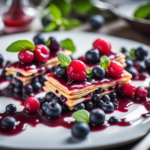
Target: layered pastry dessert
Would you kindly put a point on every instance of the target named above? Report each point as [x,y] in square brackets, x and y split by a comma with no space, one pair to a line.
[102,47]
[78,84]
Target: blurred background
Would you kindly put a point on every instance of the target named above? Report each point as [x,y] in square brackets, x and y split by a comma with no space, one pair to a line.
[124,18]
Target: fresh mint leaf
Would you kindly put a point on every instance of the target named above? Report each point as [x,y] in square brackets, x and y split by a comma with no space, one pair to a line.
[81,6]
[64,59]
[143,11]
[20,45]
[48,42]
[68,44]
[50,27]
[89,72]
[81,116]
[55,11]
[72,23]
[132,53]
[104,61]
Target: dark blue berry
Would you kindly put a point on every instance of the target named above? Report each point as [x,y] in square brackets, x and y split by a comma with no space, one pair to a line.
[42,79]
[51,109]
[113,95]
[129,63]
[41,100]
[8,122]
[55,99]
[1,59]
[64,107]
[97,116]
[108,107]
[147,63]
[49,96]
[99,91]
[38,39]
[96,21]
[89,105]
[35,80]
[123,50]
[80,130]
[63,99]
[132,71]
[100,103]
[98,72]
[17,90]
[95,98]
[19,74]
[113,119]
[54,44]
[141,53]
[79,106]
[92,56]
[0,93]
[18,83]
[9,77]
[45,21]
[61,71]
[27,89]
[11,108]
[115,105]
[37,86]
[142,68]
[106,98]
[11,86]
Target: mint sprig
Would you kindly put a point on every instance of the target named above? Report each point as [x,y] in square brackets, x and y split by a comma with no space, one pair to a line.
[104,61]
[64,59]
[81,116]
[89,72]
[132,53]
[20,45]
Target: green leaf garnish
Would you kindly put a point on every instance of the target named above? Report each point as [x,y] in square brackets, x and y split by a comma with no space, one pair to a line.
[89,72]
[50,27]
[68,44]
[47,43]
[72,23]
[132,53]
[20,45]
[64,59]
[55,11]
[81,116]
[104,61]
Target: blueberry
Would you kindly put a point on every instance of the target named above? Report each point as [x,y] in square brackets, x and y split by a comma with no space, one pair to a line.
[97,116]
[55,99]
[113,119]
[88,105]
[106,98]
[49,96]
[11,108]
[0,93]
[132,71]
[11,86]
[142,68]
[64,107]
[54,44]
[98,72]
[79,106]
[45,21]
[80,130]
[96,21]
[115,100]
[63,99]
[141,53]
[95,98]
[61,71]
[38,39]
[129,63]
[115,105]
[17,90]
[18,83]
[113,95]
[27,89]
[99,91]
[148,94]
[1,59]
[9,77]
[37,86]
[100,103]
[147,63]
[8,122]
[36,79]
[92,56]
[123,50]
[108,107]
[41,100]
[52,109]
[42,79]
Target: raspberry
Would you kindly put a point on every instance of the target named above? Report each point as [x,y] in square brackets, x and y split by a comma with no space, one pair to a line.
[141,92]
[26,56]
[115,69]
[103,46]
[77,70]
[128,89]
[41,53]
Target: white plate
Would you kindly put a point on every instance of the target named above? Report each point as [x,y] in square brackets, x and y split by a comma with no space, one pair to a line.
[43,137]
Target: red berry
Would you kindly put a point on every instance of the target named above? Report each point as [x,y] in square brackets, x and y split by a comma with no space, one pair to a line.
[41,53]
[115,69]
[128,89]
[77,70]
[26,56]
[32,104]
[141,92]
[103,46]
